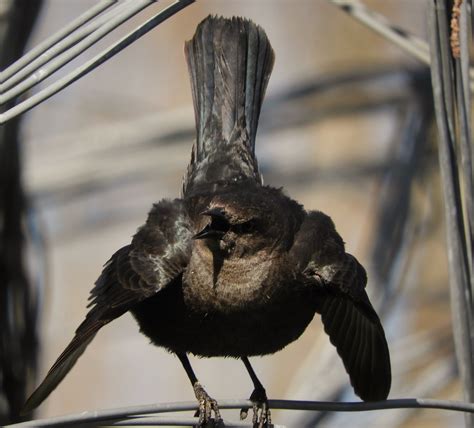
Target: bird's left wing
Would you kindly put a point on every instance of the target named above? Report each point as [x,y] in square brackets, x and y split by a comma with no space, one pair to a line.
[354,328]
[348,317]
[157,256]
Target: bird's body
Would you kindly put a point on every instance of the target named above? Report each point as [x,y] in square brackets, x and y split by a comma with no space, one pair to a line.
[253,305]
[225,322]
[233,267]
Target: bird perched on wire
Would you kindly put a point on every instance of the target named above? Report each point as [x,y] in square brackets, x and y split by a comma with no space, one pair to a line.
[234,268]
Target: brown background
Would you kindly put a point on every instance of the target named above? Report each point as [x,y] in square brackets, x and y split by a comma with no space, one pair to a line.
[86,136]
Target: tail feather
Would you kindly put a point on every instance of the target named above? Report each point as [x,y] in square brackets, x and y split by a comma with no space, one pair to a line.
[230,62]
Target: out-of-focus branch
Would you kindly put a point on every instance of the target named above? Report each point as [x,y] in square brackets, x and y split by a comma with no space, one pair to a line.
[18,298]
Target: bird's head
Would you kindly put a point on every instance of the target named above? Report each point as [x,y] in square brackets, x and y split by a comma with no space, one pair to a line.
[243,226]
[233,231]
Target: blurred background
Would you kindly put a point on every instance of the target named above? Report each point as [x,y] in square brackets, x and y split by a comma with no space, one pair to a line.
[347,128]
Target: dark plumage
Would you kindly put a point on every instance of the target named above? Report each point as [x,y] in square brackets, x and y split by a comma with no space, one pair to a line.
[234,268]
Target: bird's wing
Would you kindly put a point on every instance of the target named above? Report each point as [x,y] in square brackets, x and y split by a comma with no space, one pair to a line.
[346,312]
[354,327]
[157,256]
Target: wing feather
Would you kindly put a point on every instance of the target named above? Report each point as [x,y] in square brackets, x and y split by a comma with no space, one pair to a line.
[158,254]
[358,336]
[348,317]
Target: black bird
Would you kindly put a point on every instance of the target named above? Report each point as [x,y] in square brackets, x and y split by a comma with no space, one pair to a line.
[234,268]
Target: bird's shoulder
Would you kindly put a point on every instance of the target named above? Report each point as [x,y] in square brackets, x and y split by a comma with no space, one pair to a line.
[159,252]
[161,248]
[320,256]
[317,241]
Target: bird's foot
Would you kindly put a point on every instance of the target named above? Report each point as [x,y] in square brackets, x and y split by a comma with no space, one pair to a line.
[207,405]
[261,410]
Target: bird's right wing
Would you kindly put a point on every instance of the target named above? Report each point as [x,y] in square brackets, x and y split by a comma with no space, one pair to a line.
[158,255]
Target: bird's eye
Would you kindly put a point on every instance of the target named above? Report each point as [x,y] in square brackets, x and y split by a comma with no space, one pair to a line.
[245,228]
[219,224]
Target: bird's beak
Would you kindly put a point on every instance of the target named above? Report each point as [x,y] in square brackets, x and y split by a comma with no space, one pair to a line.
[215,213]
[208,232]
[217,228]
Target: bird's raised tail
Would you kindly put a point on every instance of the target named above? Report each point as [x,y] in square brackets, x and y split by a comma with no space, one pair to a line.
[230,62]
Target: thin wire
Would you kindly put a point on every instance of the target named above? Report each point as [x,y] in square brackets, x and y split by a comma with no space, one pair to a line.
[94,62]
[456,244]
[173,421]
[410,43]
[60,46]
[110,23]
[52,40]
[330,406]
[464,109]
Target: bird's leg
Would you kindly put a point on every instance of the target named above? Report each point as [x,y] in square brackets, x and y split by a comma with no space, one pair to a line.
[206,404]
[261,411]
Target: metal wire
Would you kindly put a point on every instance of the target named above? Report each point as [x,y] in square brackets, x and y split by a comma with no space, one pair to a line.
[55,38]
[416,47]
[100,58]
[400,37]
[408,42]
[465,134]
[24,79]
[174,421]
[96,30]
[86,37]
[444,80]
[114,415]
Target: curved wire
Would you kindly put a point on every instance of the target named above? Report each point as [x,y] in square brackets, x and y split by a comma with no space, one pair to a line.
[55,38]
[130,414]
[90,65]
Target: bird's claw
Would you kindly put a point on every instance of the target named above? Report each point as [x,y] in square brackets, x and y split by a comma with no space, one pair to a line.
[261,411]
[207,405]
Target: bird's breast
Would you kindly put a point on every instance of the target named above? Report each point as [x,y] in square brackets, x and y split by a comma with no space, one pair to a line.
[252,306]
[228,285]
